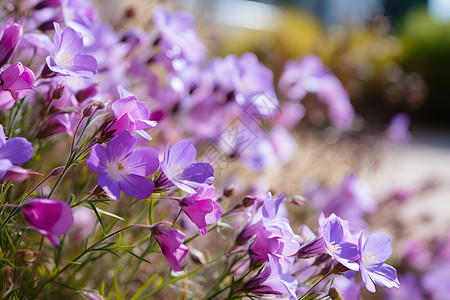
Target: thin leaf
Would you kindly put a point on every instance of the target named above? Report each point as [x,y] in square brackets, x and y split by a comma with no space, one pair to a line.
[137,256]
[144,287]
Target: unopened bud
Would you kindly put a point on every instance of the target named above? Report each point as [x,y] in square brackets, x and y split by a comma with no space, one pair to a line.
[57,171]
[334,294]
[88,111]
[58,92]
[25,255]
[197,257]
[88,92]
[248,201]
[228,192]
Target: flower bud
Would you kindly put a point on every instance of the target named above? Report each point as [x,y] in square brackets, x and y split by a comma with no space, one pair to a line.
[88,111]
[25,255]
[10,36]
[56,171]
[197,257]
[58,92]
[248,201]
[228,192]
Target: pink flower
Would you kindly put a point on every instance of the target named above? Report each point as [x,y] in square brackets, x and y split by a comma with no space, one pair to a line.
[170,241]
[201,208]
[16,82]
[50,217]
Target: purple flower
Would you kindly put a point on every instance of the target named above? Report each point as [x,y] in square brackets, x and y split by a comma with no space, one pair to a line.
[373,253]
[302,77]
[201,208]
[333,94]
[180,167]
[81,16]
[170,241]
[397,131]
[436,282]
[177,35]
[16,82]
[50,217]
[310,76]
[67,59]
[409,289]
[131,115]
[336,237]
[120,167]
[92,296]
[16,150]
[10,35]
[273,235]
[273,280]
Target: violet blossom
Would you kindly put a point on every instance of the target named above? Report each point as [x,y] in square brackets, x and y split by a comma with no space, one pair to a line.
[272,280]
[10,36]
[201,208]
[16,82]
[66,58]
[180,167]
[272,234]
[338,244]
[177,35]
[121,168]
[310,76]
[373,253]
[17,150]
[50,217]
[170,240]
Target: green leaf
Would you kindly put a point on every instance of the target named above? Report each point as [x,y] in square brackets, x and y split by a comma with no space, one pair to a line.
[5,191]
[110,214]
[137,256]
[98,217]
[311,297]
[144,287]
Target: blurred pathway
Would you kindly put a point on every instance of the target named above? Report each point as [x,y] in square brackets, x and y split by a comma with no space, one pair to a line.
[425,159]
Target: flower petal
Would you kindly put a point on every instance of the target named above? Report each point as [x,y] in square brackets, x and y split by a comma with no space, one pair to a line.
[109,185]
[137,186]
[378,245]
[142,162]
[97,160]
[18,150]
[120,146]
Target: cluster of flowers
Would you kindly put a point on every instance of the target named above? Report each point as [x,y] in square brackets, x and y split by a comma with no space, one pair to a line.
[72,95]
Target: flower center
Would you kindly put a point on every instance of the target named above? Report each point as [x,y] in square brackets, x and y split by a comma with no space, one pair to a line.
[64,60]
[116,170]
[369,258]
[335,248]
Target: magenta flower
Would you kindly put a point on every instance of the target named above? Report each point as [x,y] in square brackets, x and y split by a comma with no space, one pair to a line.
[10,36]
[66,58]
[17,150]
[120,167]
[170,240]
[50,217]
[201,208]
[180,167]
[373,253]
[16,82]
[131,115]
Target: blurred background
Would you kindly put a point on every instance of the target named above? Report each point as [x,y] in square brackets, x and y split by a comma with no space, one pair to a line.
[391,56]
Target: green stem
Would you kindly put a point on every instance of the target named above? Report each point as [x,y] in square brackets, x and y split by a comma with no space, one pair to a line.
[307,292]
